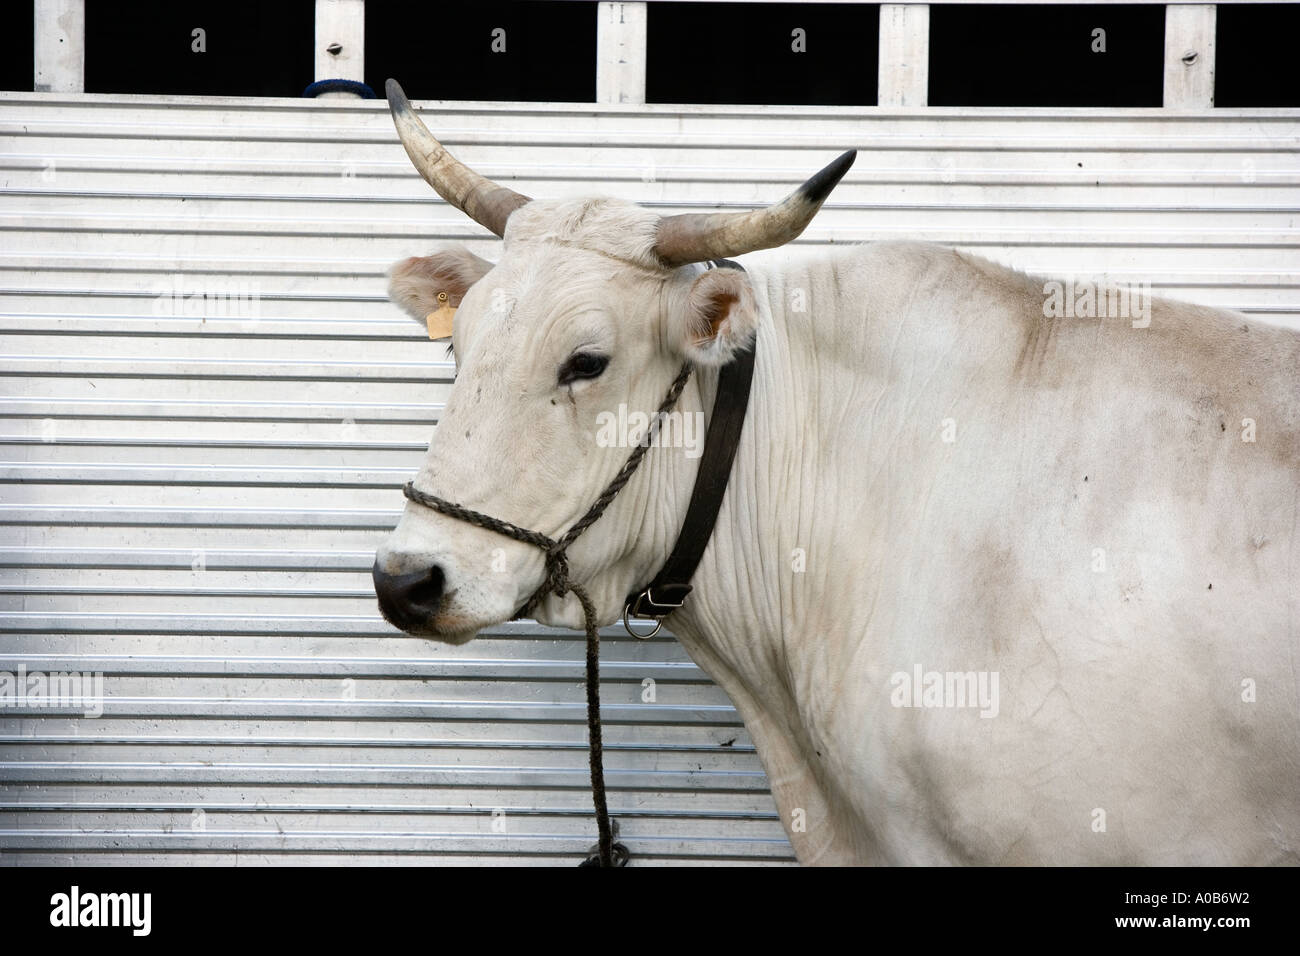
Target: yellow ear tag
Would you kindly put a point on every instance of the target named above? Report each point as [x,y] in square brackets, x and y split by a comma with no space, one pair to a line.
[439,320]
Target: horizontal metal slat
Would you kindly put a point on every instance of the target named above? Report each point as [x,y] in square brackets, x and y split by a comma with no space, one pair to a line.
[72,515]
[395,843]
[110,772]
[218,410]
[377,172]
[314,625]
[182,559]
[835,225]
[145,366]
[282,667]
[173,475]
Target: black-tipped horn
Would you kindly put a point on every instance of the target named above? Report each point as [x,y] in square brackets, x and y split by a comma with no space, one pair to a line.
[695,237]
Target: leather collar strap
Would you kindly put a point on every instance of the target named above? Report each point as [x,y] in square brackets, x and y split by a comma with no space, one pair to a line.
[668,591]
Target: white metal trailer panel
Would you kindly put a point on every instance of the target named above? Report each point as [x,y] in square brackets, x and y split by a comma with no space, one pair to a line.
[207,408]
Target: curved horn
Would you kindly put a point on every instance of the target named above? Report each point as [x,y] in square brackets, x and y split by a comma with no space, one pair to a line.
[695,237]
[481,199]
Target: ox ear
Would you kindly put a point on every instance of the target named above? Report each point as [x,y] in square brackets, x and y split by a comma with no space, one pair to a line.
[719,318]
[414,283]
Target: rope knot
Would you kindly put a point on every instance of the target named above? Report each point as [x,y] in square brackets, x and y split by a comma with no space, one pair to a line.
[557,571]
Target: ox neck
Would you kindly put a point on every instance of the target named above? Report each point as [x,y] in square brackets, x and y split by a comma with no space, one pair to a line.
[742,604]
[670,587]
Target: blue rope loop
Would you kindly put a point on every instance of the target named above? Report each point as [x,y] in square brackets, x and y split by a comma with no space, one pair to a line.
[340,86]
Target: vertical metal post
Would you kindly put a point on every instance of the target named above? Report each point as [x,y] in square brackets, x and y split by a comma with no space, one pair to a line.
[621,52]
[904,54]
[340,43]
[1189,55]
[59,46]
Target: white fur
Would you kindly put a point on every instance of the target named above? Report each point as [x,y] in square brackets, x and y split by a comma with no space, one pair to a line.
[1121,690]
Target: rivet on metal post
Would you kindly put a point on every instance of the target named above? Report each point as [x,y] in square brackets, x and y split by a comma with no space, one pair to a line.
[1189,57]
[334,49]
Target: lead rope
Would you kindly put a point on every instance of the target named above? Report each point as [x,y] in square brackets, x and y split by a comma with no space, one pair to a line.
[558,583]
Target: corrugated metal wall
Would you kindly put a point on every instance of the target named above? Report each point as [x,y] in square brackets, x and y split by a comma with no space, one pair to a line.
[192,491]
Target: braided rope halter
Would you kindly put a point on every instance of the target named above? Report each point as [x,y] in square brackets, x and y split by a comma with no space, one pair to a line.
[559,583]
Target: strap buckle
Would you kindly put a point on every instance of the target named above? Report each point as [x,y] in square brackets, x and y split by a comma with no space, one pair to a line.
[645,606]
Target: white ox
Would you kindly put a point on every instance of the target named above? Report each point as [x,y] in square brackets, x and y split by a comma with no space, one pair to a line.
[934,480]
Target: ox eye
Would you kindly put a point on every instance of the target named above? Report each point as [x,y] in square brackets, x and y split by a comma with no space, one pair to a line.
[581,365]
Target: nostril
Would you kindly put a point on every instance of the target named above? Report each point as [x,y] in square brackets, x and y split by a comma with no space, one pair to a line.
[409,599]
[426,591]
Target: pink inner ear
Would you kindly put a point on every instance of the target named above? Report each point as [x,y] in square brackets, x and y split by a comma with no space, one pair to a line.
[715,308]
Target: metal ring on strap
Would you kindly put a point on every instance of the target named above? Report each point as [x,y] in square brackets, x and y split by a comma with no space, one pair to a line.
[627,626]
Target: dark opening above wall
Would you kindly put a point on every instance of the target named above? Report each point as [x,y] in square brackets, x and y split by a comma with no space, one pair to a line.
[763,53]
[535,52]
[200,47]
[1255,54]
[1051,55]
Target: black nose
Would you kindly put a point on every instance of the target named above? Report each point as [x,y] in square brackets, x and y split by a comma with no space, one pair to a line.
[410,600]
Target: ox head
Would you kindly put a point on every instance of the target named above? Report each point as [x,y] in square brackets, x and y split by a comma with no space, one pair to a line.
[593,305]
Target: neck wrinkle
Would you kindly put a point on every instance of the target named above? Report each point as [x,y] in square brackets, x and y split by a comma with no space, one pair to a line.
[736,611]
[666,484]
